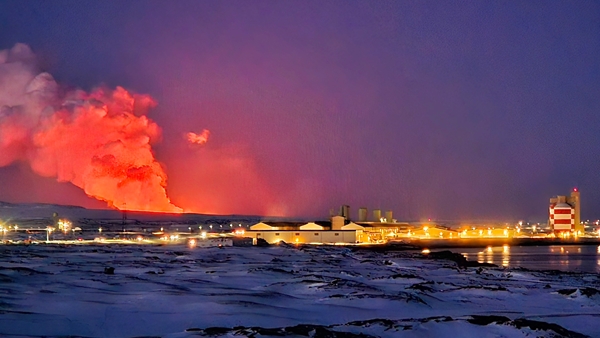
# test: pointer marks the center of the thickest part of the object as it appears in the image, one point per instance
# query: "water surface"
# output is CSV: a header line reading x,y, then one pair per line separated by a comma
x,y
576,258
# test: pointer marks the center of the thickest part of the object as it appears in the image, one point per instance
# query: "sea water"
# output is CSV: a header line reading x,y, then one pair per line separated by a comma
x,y
575,258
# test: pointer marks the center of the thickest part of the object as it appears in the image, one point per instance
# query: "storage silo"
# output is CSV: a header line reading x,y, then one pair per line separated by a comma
x,y
562,217
345,211
389,216
362,214
377,215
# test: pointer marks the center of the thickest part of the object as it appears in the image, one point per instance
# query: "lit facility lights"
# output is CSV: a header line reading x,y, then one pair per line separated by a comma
x,y
64,225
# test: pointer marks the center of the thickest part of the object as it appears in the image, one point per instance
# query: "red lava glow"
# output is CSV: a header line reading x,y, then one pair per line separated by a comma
x,y
98,141
199,139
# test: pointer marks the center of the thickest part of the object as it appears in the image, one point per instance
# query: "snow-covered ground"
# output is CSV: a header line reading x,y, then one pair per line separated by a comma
x,y
175,291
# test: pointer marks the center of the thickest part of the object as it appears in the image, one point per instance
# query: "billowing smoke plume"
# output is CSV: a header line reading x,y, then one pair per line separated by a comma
x,y
198,139
98,141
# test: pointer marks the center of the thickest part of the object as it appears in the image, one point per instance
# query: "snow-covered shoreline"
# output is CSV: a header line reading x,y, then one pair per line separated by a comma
x,y
177,291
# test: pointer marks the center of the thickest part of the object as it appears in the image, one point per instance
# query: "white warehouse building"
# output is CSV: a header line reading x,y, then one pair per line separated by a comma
x,y
333,232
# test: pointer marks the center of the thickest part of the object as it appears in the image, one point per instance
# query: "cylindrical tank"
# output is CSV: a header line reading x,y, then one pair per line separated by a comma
x,y
562,217
389,216
345,211
362,214
376,215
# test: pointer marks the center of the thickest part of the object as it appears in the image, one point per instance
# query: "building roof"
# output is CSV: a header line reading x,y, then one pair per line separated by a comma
x,y
352,226
311,226
562,206
261,226
317,225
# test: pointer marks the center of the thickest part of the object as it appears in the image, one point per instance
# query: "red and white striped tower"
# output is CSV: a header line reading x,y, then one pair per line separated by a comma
x,y
562,217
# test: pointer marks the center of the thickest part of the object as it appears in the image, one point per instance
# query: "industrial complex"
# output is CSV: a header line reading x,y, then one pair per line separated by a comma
x,y
340,229
377,227
564,221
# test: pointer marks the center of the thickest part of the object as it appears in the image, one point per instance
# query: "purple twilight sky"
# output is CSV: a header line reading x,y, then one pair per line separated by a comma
x,y
443,110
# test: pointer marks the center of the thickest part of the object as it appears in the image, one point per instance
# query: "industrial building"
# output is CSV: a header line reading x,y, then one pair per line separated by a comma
x,y
565,213
564,220
336,231
339,230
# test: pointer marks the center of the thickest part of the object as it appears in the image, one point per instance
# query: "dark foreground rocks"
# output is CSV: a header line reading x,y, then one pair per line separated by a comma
x,y
391,327
459,259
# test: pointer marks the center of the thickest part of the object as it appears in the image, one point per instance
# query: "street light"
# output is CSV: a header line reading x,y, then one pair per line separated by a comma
x,y
48,232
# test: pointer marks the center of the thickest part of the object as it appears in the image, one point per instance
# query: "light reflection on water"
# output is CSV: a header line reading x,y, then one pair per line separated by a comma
x,y
581,258
505,255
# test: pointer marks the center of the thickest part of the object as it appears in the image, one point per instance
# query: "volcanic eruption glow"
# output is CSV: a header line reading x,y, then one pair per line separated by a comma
x,y
98,141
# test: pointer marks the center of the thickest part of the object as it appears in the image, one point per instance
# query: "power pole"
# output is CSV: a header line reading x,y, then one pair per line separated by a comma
x,y
124,214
